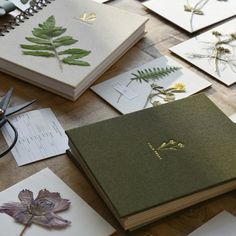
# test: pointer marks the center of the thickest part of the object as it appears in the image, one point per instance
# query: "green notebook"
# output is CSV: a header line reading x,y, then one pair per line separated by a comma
x,y
153,162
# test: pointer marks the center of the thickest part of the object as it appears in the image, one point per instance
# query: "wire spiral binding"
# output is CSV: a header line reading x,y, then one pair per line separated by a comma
x,y
10,25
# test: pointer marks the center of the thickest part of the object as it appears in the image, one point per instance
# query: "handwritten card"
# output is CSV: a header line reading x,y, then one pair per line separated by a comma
x,y
40,136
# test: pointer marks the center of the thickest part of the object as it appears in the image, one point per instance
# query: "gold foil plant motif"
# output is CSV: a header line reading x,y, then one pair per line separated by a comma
x,y
47,40
221,51
41,210
88,17
171,145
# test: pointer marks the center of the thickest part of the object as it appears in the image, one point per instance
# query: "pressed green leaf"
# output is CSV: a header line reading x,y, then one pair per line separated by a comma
x,y
76,51
65,40
72,61
57,31
153,74
61,39
49,23
36,47
47,39
39,53
40,33
37,40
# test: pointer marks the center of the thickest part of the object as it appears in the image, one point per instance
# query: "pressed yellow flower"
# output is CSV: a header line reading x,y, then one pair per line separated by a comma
x,y
179,87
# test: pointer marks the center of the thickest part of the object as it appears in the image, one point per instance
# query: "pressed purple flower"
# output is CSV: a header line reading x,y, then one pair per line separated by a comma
x,y
40,210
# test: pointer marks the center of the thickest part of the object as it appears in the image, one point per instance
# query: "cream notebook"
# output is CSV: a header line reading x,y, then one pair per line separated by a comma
x,y
67,45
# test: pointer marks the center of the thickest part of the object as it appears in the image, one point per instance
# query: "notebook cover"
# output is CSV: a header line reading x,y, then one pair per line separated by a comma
x,y
100,33
151,157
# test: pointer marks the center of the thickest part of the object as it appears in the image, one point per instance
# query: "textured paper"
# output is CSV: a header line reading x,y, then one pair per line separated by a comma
x,y
40,136
200,44
224,224
135,96
214,11
85,221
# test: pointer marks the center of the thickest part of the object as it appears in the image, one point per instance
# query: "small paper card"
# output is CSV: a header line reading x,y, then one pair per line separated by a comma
x,y
84,220
23,4
128,95
213,52
40,136
101,1
193,15
233,117
222,224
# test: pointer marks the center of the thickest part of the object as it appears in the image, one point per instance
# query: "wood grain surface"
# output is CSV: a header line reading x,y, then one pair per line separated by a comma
x,y
89,108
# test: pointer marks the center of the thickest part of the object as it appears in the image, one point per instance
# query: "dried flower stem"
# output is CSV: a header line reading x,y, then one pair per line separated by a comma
x,y
196,7
26,226
221,51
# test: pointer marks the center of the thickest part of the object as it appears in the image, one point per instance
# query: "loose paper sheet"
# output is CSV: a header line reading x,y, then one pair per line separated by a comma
x,y
132,98
85,221
101,1
224,224
213,12
20,5
200,52
233,117
40,136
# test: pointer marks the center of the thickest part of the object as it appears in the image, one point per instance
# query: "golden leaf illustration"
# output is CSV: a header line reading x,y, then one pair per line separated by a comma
x,y
88,17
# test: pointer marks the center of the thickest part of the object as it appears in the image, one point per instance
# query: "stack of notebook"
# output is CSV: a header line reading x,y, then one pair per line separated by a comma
x,y
67,45
151,163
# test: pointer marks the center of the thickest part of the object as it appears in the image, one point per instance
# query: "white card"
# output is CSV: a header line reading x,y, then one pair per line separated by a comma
x,y
22,5
101,1
233,117
224,224
40,136
84,220
134,95
200,52
213,11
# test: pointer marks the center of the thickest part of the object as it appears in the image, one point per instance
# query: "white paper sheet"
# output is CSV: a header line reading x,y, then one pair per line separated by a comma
x,y
132,98
199,51
40,136
20,5
101,1
85,221
233,117
173,10
224,224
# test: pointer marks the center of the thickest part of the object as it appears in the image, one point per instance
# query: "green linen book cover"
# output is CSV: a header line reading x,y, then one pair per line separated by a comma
x,y
154,156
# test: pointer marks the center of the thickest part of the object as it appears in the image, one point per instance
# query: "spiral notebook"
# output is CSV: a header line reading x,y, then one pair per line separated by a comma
x,y
64,46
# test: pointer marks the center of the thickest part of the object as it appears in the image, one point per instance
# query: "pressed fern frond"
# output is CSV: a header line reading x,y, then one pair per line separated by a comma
x,y
46,41
153,74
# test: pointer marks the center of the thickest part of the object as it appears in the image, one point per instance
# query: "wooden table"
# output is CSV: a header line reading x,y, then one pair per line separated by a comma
x,y
89,108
